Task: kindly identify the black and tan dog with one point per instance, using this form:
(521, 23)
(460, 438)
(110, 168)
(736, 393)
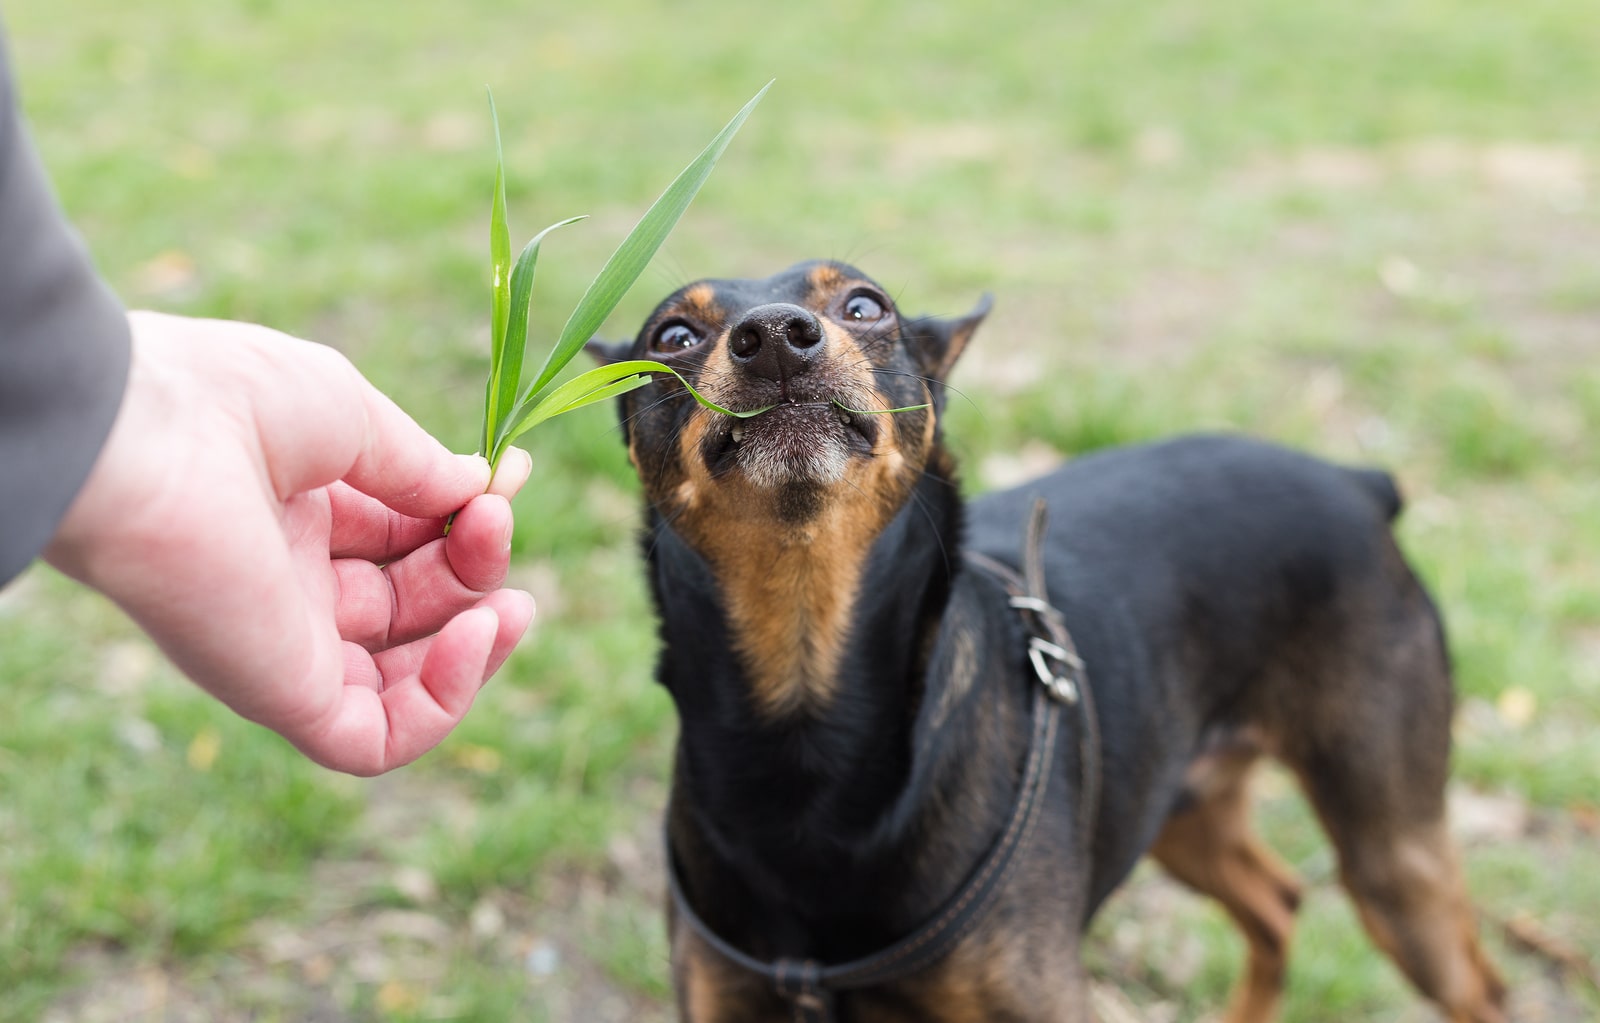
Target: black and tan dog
(857, 697)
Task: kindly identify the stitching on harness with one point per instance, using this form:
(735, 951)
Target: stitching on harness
(1033, 817)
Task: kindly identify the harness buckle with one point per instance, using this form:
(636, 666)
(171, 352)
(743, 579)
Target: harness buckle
(1034, 604)
(1063, 687)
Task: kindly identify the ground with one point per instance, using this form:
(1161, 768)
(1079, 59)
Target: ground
(1368, 233)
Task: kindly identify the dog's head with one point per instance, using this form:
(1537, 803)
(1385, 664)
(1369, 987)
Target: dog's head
(821, 344)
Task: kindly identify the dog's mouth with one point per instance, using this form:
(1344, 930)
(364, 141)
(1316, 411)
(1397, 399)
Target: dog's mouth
(791, 442)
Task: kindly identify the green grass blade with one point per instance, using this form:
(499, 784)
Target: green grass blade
(622, 386)
(506, 376)
(500, 302)
(532, 412)
(579, 391)
(881, 411)
(616, 370)
(636, 251)
(713, 406)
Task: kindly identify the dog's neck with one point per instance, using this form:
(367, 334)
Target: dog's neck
(803, 805)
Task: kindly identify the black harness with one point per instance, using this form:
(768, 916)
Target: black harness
(810, 987)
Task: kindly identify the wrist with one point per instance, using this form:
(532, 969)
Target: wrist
(116, 498)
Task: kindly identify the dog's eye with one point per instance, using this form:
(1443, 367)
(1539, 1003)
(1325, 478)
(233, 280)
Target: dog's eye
(675, 337)
(863, 309)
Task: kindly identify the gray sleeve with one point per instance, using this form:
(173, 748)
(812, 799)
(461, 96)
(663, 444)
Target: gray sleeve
(64, 349)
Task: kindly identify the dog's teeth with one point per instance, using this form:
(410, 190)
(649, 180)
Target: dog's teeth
(738, 432)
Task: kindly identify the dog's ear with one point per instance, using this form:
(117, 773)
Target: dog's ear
(608, 352)
(937, 343)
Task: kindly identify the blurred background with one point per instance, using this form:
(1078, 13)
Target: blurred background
(1369, 230)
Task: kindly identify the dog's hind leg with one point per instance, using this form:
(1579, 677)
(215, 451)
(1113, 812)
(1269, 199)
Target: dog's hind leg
(1372, 751)
(1402, 871)
(1210, 846)
(1408, 889)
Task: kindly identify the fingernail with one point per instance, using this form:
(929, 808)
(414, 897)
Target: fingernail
(524, 466)
(533, 610)
(506, 534)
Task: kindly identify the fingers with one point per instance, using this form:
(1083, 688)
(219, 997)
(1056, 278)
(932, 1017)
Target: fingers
(317, 420)
(402, 465)
(400, 704)
(380, 607)
(515, 609)
(371, 732)
(421, 709)
(364, 527)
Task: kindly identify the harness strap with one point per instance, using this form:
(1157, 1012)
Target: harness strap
(806, 981)
(808, 986)
(1069, 686)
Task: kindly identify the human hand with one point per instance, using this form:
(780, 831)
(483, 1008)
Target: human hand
(274, 522)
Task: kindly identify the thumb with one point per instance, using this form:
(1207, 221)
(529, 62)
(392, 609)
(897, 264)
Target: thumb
(318, 420)
(407, 468)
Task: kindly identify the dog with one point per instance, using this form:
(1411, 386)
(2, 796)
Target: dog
(905, 780)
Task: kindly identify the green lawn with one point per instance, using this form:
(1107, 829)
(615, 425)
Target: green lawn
(1373, 233)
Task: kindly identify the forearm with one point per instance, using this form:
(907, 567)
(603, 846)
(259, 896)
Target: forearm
(64, 347)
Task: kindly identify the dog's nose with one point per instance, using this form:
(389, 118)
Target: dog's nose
(776, 341)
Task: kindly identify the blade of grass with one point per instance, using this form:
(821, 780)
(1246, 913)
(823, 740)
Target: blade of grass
(531, 413)
(622, 386)
(880, 411)
(601, 383)
(635, 252)
(507, 376)
(500, 289)
(575, 393)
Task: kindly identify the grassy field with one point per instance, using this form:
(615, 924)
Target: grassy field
(1371, 232)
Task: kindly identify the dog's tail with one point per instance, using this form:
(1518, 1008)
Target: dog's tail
(1383, 489)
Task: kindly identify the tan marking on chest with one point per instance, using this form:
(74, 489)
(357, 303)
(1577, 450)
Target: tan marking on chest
(789, 595)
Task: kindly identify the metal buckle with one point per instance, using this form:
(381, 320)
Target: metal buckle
(1061, 687)
(1034, 604)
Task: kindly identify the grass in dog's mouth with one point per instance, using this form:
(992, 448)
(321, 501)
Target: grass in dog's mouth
(860, 433)
(879, 411)
(831, 403)
(847, 417)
